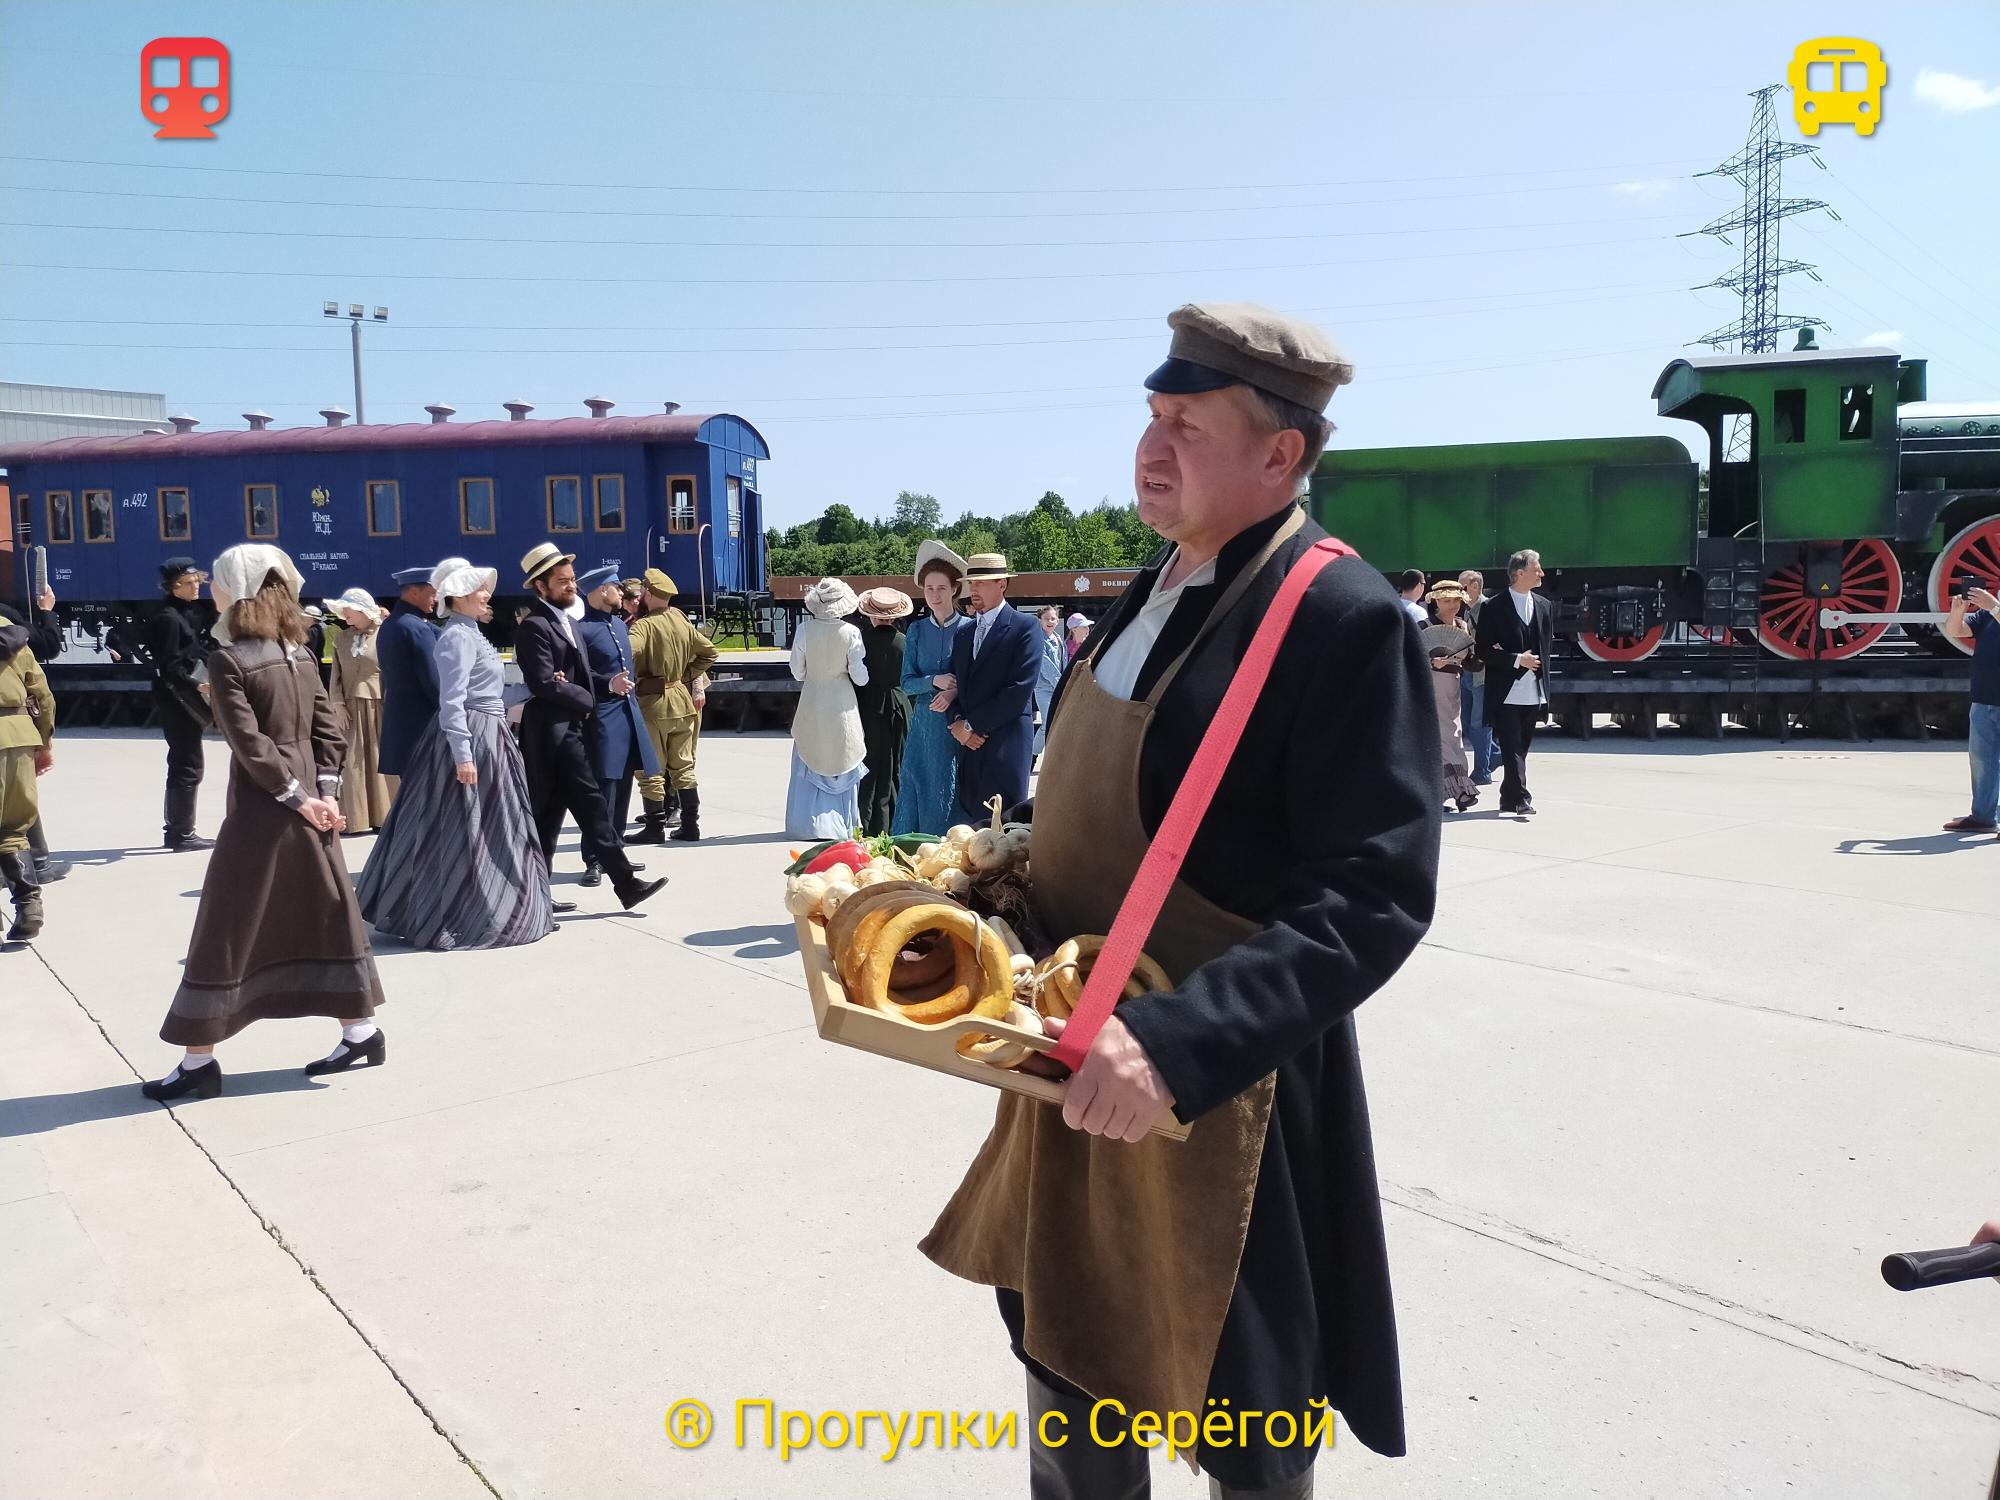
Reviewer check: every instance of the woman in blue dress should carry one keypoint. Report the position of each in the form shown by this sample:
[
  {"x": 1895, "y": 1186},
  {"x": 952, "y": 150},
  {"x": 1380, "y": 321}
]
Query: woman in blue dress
[{"x": 927, "y": 795}]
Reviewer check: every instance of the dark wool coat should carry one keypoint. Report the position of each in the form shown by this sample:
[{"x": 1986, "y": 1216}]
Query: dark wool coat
[
  {"x": 1325, "y": 827},
  {"x": 996, "y": 696},
  {"x": 1500, "y": 636},
  {"x": 406, "y": 651}
]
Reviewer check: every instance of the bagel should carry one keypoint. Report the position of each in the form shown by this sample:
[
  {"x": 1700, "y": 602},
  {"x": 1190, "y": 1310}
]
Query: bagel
[
  {"x": 840, "y": 926},
  {"x": 983, "y": 970},
  {"x": 1001, "y": 1052},
  {"x": 922, "y": 967},
  {"x": 1067, "y": 970}
]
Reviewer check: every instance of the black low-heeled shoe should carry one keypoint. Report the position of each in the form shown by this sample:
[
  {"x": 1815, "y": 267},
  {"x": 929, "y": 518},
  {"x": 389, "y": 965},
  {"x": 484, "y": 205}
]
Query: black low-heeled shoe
[
  {"x": 593, "y": 875},
  {"x": 203, "y": 1082},
  {"x": 369, "y": 1054}
]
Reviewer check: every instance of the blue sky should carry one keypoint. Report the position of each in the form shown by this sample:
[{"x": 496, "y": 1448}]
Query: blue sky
[{"x": 931, "y": 247}]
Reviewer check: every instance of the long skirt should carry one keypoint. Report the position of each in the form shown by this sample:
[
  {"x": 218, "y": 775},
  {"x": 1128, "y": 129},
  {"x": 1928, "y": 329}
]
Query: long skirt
[
  {"x": 884, "y": 734},
  {"x": 365, "y": 793},
  {"x": 460, "y": 866},
  {"x": 277, "y": 933},
  {"x": 927, "y": 789},
  {"x": 1457, "y": 784},
  {"x": 822, "y": 807}
]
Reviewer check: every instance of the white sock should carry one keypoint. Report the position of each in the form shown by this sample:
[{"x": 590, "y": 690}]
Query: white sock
[
  {"x": 188, "y": 1064},
  {"x": 354, "y": 1036}
]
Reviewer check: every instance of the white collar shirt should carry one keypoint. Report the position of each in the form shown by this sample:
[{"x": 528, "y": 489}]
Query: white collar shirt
[
  {"x": 562, "y": 621},
  {"x": 982, "y": 623},
  {"x": 1118, "y": 666},
  {"x": 1529, "y": 691}
]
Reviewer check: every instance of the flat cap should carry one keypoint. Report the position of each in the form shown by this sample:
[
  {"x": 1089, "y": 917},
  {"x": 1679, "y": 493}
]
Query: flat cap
[
  {"x": 175, "y": 567},
  {"x": 1220, "y": 344}
]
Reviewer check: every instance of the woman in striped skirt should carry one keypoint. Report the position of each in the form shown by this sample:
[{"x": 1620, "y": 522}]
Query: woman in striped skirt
[{"x": 458, "y": 864}]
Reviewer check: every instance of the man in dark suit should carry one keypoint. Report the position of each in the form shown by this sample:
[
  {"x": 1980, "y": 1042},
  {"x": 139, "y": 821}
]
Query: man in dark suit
[
  {"x": 406, "y": 651},
  {"x": 996, "y": 663},
  {"x": 623, "y": 748},
  {"x": 1515, "y": 633},
  {"x": 559, "y": 722}
]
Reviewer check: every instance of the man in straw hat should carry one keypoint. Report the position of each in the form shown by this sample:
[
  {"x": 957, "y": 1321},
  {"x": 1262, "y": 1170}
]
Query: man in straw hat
[
  {"x": 996, "y": 661},
  {"x": 669, "y": 657},
  {"x": 559, "y": 722},
  {"x": 1243, "y": 1269}
]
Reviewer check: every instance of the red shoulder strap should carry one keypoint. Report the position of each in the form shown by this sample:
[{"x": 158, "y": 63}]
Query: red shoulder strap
[{"x": 1169, "y": 849}]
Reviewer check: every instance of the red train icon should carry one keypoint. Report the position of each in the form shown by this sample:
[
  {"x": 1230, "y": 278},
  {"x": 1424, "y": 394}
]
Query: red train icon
[{"x": 168, "y": 94}]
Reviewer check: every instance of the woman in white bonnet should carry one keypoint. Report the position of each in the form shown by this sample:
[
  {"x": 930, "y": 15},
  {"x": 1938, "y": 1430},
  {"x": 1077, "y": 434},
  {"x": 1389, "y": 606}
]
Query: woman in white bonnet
[
  {"x": 355, "y": 688},
  {"x": 277, "y": 932},
  {"x": 829, "y": 755}
]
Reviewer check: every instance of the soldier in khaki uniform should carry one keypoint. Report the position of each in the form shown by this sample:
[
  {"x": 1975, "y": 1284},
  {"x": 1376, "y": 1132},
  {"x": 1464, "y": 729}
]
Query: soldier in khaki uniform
[
  {"x": 27, "y": 724},
  {"x": 668, "y": 657}
]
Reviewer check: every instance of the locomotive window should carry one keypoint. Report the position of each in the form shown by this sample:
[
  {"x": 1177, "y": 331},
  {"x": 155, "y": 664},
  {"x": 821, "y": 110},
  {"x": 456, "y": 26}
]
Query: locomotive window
[
  {"x": 1857, "y": 412},
  {"x": 260, "y": 512},
  {"x": 610, "y": 494},
  {"x": 680, "y": 503},
  {"x": 475, "y": 507},
  {"x": 733, "y": 487},
  {"x": 1737, "y": 431},
  {"x": 99, "y": 519},
  {"x": 565, "y": 502},
  {"x": 176, "y": 520},
  {"x": 62, "y": 520},
  {"x": 1789, "y": 425},
  {"x": 385, "y": 508}
]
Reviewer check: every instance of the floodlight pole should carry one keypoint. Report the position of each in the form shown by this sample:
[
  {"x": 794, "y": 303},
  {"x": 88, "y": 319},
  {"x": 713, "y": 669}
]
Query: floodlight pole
[{"x": 354, "y": 312}]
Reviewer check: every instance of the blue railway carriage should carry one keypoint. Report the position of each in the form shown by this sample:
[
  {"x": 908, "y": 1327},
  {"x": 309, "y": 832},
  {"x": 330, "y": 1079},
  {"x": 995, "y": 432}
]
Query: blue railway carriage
[{"x": 352, "y": 504}]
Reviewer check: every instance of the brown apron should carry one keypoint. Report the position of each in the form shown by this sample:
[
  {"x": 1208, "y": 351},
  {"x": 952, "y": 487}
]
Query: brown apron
[{"x": 1125, "y": 1254}]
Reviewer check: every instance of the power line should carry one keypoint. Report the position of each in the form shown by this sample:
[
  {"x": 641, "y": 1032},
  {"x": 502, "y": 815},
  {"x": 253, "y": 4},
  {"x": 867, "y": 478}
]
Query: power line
[
  {"x": 660, "y": 187},
  {"x": 842, "y": 218},
  {"x": 769, "y": 281},
  {"x": 570, "y": 242}
]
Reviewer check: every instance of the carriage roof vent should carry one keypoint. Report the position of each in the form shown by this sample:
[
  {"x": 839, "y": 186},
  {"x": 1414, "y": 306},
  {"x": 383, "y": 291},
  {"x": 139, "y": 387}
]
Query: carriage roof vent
[
  {"x": 598, "y": 405},
  {"x": 185, "y": 424},
  {"x": 440, "y": 413},
  {"x": 518, "y": 410},
  {"x": 334, "y": 415},
  {"x": 671, "y": 406},
  {"x": 258, "y": 420},
  {"x": 154, "y": 431}
]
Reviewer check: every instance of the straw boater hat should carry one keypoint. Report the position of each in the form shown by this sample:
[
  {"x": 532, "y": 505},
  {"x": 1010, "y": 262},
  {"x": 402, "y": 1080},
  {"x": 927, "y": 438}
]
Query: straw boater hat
[
  {"x": 1450, "y": 588},
  {"x": 455, "y": 578},
  {"x": 988, "y": 565},
  {"x": 543, "y": 559},
  {"x": 886, "y": 604},
  {"x": 936, "y": 552},
  {"x": 831, "y": 599}
]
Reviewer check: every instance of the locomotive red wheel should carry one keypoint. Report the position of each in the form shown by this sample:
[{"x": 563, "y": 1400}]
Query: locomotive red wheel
[
  {"x": 1975, "y": 551},
  {"x": 1871, "y": 582},
  {"x": 1620, "y": 648}
]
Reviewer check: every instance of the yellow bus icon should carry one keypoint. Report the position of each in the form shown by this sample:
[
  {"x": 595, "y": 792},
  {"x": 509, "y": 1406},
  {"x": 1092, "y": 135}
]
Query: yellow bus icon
[{"x": 1837, "y": 80}]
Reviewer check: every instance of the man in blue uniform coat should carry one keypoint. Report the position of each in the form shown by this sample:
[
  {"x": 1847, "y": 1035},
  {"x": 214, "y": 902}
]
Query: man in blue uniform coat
[
  {"x": 406, "y": 650},
  {"x": 623, "y": 747},
  {"x": 996, "y": 663}
]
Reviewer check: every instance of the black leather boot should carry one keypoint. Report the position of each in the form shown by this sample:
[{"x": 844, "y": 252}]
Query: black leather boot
[
  {"x": 19, "y": 870},
  {"x": 180, "y": 820},
  {"x": 673, "y": 809},
  {"x": 652, "y": 828},
  {"x": 593, "y": 874},
  {"x": 690, "y": 829}
]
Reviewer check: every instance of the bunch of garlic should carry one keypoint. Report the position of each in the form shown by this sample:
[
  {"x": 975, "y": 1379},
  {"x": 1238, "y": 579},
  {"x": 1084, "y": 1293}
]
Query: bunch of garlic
[
  {"x": 968, "y": 853},
  {"x": 819, "y": 895}
]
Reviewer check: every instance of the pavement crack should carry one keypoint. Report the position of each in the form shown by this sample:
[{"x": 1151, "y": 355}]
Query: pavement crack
[{"x": 277, "y": 1237}]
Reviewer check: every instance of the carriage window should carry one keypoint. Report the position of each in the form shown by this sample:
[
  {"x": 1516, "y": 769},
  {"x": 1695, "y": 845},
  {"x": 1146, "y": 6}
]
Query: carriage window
[
  {"x": 62, "y": 521},
  {"x": 680, "y": 503},
  {"x": 610, "y": 492},
  {"x": 1857, "y": 412},
  {"x": 99, "y": 520},
  {"x": 385, "y": 508},
  {"x": 176, "y": 520},
  {"x": 565, "y": 502},
  {"x": 1789, "y": 422},
  {"x": 734, "y": 489},
  {"x": 475, "y": 507},
  {"x": 260, "y": 512}
]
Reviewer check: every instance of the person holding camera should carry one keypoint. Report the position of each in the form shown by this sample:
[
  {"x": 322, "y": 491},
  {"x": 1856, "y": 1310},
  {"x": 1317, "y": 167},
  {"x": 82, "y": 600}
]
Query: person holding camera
[{"x": 1975, "y": 616}]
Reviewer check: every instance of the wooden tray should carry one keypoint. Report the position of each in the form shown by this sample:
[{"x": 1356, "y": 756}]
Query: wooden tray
[{"x": 936, "y": 1047}]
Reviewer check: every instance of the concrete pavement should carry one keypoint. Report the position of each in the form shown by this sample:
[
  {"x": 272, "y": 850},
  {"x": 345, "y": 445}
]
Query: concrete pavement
[{"x": 1681, "y": 1060}]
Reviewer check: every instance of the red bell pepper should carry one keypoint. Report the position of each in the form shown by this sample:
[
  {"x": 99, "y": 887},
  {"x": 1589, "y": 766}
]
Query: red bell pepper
[{"x": 846, "y": 853}]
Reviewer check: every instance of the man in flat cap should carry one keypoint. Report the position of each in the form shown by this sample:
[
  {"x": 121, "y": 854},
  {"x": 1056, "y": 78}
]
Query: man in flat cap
[
  {"x": 406, "y": 651},
  {"x": 669, "y": 657},
  {"x": 1243, "y": 1269},
  {"x": 559, "y": 725},
  {"x": 177, "y": 645},
  {"x": 624, "y": 749}
]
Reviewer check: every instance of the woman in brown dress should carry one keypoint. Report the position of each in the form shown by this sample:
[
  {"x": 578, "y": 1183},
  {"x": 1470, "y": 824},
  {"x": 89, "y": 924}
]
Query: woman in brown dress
[
  {"x": 278, "y": 932},
  {"x": 356, "y": 691},
  {"x": 1448, "y": 643}
]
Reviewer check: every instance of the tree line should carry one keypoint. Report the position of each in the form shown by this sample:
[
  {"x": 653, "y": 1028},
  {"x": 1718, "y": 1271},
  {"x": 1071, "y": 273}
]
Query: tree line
[{"x": 1048, "y": 537}]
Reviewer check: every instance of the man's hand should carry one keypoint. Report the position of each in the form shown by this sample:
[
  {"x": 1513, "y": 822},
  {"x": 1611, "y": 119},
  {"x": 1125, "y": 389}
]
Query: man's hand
[
  {"x": 1117, "y": 1093},
  {"x": 202, "y": 688},
  {"x": 621, "y": 683},
  {"x": 45, "y": 600},
  {"x": 1527, "y": 661},
  {"x": 45, "y": 759},
  {"x": 1988, "y": 1234},
  {"x": 1984, "y": 598}
]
